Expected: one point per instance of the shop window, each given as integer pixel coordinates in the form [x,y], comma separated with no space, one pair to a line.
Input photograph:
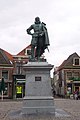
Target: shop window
[5,74]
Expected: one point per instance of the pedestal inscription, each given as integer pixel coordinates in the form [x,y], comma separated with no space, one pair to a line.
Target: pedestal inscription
[38,78]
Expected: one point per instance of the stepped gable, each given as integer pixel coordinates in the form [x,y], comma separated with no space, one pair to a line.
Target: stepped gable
[5,57]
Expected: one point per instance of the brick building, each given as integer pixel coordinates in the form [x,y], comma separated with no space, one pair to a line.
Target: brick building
[67,75]
[11,70]
[6,71]
[18,75]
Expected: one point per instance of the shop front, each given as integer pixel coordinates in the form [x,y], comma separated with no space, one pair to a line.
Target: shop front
[73,86]
[76,86]
[18,86]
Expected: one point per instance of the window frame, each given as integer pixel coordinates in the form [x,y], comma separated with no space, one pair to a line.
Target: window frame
[7,71]
[26,52]
[74,62]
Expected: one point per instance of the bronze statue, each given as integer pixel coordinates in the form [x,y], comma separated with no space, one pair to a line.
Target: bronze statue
[40,40]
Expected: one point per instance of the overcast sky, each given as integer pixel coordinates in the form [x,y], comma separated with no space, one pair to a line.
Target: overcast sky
[62,18]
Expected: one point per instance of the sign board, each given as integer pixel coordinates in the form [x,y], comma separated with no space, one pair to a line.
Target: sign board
[37,78]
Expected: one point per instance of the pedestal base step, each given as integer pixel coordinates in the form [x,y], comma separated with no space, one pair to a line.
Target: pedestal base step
[39,110]
[38,105]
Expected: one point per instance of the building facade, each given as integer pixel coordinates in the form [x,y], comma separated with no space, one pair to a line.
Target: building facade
[11,69]
[67,76]
[12,72]
[6,71]
[18,74]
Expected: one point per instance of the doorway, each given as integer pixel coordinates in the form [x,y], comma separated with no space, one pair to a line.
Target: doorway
[76,88]
[20,90]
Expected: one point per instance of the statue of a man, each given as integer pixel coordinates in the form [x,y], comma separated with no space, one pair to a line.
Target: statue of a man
[40,40]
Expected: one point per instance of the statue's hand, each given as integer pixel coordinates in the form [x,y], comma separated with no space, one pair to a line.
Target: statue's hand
[34,35]
[41,34]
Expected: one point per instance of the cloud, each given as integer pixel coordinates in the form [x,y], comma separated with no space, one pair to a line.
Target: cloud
[62,18]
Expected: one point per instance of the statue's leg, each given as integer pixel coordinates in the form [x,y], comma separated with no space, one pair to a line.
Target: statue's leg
[40,42]
[39,51]
[32,51]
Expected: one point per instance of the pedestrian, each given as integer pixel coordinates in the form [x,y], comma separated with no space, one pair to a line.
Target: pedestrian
[76,93]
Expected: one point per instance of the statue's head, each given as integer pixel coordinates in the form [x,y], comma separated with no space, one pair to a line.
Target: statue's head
[37,20]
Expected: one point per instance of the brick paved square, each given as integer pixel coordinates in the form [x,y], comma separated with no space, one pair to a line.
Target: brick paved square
[71,107]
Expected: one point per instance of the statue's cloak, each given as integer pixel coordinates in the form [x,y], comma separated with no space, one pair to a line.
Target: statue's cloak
[45,42]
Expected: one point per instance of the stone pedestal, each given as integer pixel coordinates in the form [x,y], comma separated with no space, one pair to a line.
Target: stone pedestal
[38,95]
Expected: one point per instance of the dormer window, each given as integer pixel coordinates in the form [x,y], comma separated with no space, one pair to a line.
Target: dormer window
[76,61]
[28,52]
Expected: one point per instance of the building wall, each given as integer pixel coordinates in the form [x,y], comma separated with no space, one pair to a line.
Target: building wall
[64,83]
[8,82]
[69,75]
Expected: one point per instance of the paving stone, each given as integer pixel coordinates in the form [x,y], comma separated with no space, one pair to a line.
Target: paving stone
[71,107]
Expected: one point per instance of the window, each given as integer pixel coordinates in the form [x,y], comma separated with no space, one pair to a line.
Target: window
[5,74]
[76,74]
[76,61]
[28,52]
[18,69]
[69,75]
